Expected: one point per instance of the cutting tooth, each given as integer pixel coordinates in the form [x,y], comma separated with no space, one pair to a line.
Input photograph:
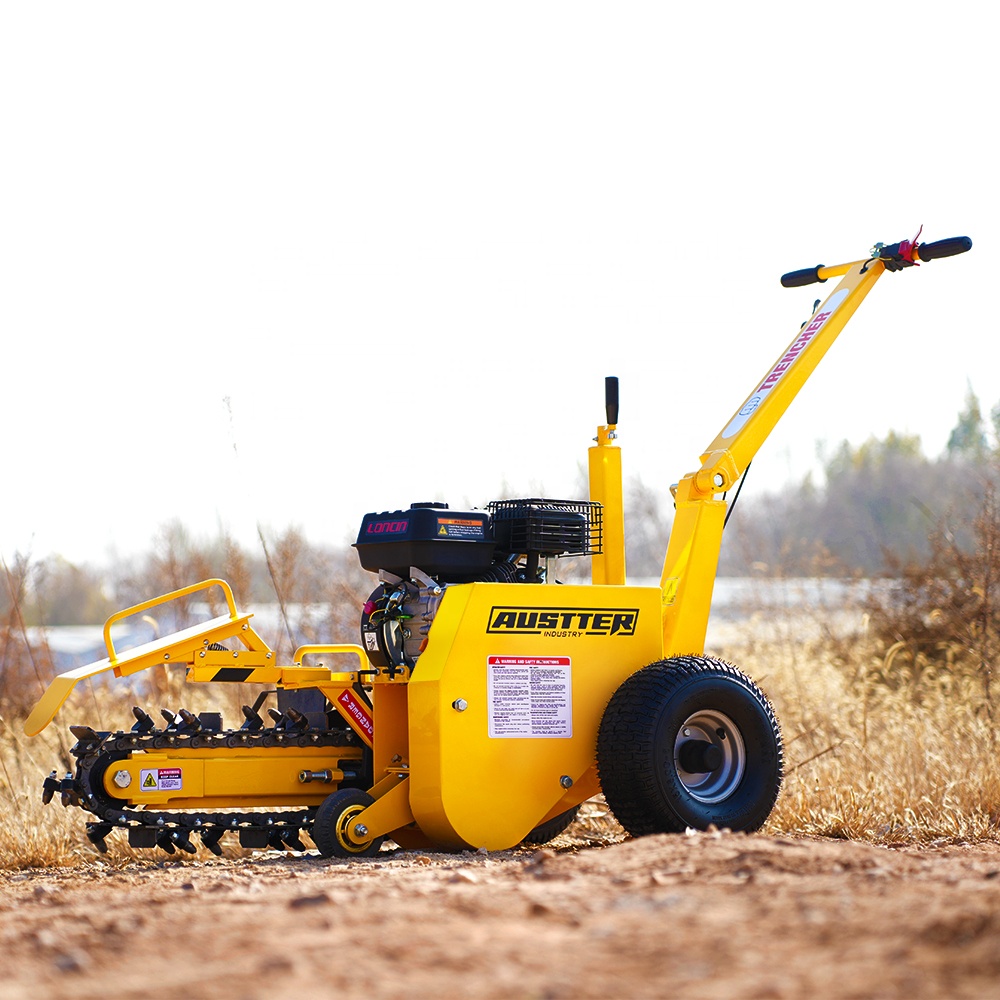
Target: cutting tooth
[143,722]
[180,838]
[276,716]
[253,719]
[96,834]
[211,838]
[164,841]
[70,796]
[50,786]
[191,722]
[295,720]
[171,718]
[291,838]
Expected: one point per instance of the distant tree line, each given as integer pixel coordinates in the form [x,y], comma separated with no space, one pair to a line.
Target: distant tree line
[880,505]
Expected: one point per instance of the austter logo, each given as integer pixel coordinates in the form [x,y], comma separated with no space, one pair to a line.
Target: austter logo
[563,622]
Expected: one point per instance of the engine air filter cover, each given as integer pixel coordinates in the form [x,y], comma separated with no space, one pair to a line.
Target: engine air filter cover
[547,527]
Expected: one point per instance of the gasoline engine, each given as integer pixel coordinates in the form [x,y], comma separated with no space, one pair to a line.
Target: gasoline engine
[418,553]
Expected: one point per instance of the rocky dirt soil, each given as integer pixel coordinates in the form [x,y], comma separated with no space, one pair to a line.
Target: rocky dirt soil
[708,914]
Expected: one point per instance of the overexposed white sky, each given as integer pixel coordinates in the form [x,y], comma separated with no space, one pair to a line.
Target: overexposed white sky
[283,264]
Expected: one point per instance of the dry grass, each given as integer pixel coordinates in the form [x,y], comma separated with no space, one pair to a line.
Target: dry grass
[890,765]
[875,751]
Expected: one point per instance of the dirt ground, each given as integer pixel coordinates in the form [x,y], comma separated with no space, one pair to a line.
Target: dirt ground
[707,914]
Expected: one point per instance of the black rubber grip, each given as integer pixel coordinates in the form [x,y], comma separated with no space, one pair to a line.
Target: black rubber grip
[944,248]
[807,276]
[611,399]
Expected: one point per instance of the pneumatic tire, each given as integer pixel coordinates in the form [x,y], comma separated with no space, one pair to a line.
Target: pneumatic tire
[689,742]
[333,829]
[545,832]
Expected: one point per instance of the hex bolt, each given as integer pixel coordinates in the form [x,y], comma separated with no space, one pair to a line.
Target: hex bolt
[566,781]
[460,704]
[360,830]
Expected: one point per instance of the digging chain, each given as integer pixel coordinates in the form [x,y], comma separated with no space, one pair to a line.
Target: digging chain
[173,831]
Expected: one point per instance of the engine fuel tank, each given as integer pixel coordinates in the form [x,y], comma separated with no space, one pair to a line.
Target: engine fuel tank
[441,541]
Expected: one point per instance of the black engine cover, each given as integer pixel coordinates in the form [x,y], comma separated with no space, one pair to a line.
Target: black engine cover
[442,542]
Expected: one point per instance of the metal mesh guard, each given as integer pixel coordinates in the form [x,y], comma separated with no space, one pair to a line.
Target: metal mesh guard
[550,527]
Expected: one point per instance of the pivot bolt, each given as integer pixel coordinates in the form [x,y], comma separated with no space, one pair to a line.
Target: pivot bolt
[123,779]
[566,781]
[360,830]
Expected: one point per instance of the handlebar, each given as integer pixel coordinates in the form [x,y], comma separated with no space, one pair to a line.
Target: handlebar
[807,276]
[895,256]
[943,248]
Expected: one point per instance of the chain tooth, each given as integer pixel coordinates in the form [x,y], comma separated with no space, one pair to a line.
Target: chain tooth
[164,841]
[50,786]
[191,722]
[96,834]
[143,722]
[181,839]
[253,720]
[211,838]
[291,838]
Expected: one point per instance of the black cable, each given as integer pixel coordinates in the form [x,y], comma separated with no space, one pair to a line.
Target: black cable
[743,479]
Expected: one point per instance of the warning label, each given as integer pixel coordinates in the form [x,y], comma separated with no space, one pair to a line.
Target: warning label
[530,696]
[160,779]
[454,527]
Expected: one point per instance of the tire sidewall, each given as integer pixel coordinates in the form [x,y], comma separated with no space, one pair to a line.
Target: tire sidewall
[749,804]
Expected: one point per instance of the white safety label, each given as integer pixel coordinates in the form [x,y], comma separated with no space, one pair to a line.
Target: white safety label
[160,779]
[530,696]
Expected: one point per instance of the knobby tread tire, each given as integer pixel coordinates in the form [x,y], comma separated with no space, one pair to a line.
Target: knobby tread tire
[545,832]
[636,739]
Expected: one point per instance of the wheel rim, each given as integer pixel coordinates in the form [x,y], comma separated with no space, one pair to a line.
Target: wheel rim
[720,731]
[345,824]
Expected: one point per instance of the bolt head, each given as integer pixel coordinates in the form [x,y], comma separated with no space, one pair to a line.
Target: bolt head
[123,779]
[460,704]
[360,830]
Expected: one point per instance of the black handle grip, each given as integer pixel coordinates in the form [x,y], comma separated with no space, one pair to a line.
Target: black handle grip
[944,248]
[807,276]
[611,399]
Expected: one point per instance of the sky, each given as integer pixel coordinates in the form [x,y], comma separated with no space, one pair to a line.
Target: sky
[267,265]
